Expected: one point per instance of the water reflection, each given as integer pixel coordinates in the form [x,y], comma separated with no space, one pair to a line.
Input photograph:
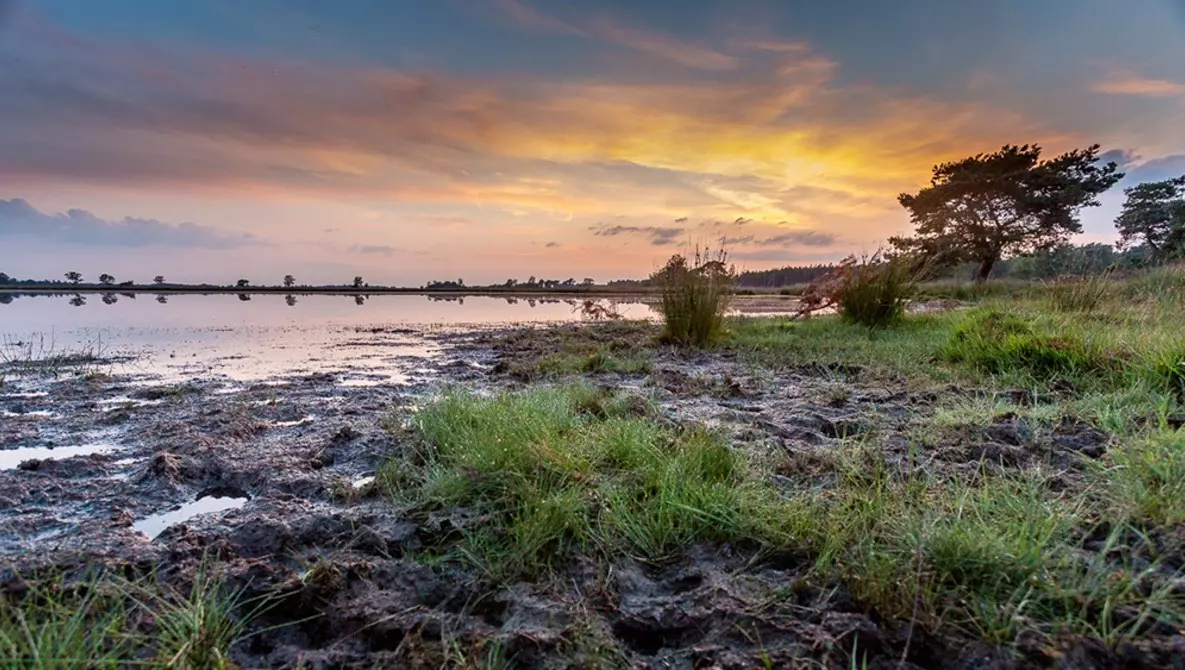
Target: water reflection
[291,299]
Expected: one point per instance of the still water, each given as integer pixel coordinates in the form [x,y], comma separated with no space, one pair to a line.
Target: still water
[168,338]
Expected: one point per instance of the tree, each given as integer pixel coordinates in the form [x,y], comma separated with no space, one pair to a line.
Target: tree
[242,283]
[357,282]
[73,277]
[589,281]
[159,279]
[980,208]
[1154,214]
[4,278]
[289,281]
[106,279]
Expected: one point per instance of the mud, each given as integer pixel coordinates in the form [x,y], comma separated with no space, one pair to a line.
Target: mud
[273,480]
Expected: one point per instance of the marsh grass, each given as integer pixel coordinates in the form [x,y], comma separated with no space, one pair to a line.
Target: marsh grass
[107,621]
[1079,294]
[41,355]
[875,291]
[571,469]
[58,626]
[695,294]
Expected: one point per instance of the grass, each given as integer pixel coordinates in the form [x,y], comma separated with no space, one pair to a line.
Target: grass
[988,553]
[694,296]
[875,291]
[106,621]
[557,471]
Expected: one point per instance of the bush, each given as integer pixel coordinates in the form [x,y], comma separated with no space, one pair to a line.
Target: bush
[870,291]
[695,296]
[875,292]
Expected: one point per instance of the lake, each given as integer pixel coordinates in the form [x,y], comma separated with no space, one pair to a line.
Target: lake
[167,338]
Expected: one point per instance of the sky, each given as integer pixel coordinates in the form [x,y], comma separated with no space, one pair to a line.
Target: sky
[413,140]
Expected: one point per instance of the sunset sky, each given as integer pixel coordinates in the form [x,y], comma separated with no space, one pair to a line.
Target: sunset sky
[409,140]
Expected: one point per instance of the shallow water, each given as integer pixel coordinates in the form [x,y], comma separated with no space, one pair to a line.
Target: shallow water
[157,523]
[11,458]
[375,341]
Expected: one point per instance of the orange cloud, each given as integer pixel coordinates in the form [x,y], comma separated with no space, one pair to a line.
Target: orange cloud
[780,141]
[1127,83]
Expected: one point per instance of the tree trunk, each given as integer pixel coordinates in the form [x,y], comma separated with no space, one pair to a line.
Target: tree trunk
[985,268]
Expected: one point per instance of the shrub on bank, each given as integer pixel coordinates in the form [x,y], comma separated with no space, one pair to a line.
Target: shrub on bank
[875,291]
[695,295]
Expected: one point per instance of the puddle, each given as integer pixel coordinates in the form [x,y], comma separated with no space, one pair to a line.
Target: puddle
[366,383]
[126,402]
[38,414]
[363,481]
[205,504]
[289,424]
[10,458]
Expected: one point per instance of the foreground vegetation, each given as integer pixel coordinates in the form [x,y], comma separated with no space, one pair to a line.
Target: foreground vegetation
[101,620]
[578,466]
[990,553]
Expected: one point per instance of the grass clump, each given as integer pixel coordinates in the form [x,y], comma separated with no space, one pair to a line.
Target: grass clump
[1146,483]
[1079,294]
[874,292]
[997,342]
[695,295]
[556,470]
[599,361]
[53,626]
[105,621]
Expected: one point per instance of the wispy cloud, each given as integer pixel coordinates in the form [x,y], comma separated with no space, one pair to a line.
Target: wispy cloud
[658,235]
[552,245]
[77,226]
[1122,82]
[798,238]
[376,249]
[528,16]
[652,42]
[667,47]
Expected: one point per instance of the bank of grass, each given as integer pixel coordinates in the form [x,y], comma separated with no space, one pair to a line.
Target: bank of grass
[990,554]
[106,621]
[550,473]
[555,471]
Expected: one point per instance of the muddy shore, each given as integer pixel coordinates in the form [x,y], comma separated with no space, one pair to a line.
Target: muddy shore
[287,464]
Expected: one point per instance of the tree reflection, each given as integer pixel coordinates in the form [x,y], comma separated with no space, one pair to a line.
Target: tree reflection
[244,297]
[77,300]
[359,299]
[110,298]
[5,298]
[290,300]
[162,299]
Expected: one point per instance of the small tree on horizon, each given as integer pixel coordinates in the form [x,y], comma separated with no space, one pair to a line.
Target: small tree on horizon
[159,279]
[4,278]
[981,208]
[106,279]
[357,282]
[1154,215]
[289,281]
[242,283]
[73,277]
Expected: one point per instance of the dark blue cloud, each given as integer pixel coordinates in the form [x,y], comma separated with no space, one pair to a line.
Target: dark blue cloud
[78,226]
